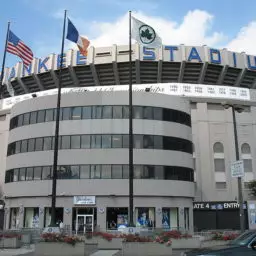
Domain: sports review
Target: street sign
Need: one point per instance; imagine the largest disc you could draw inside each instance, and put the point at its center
(237, 169)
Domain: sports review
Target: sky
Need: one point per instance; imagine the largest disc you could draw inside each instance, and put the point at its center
(220, 24)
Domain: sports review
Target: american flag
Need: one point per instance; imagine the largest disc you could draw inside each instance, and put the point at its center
(17, 47)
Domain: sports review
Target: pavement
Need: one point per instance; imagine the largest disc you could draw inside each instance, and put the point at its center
(29, 251)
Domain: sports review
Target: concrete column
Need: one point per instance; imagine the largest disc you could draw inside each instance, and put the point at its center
(101, 218)
(41, 216)
(67, 217)
(181, 219)
(21, 216)
(6, 218)
(158, 217)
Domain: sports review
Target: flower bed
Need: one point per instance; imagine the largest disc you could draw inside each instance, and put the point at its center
(224, 236)
(53, 237)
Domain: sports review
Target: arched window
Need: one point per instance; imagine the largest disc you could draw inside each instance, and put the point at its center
(246, 157)
(219, 158)
(219, 165)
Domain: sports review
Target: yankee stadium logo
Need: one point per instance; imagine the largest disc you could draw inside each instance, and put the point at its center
(147, 34)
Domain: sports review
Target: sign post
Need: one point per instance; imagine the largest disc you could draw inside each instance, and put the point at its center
(237, 169)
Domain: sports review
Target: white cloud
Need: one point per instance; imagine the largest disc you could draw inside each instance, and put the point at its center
(244, 40)
(193, 30)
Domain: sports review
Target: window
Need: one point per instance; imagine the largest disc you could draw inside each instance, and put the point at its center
(125, 171)
(17, 147)
(37, 173)
(46, 173)
(74, 171)
(219, 158)
(106, 141)
(31, 218)
(15, 174)
(22, 174)
(85, 141)
(33, 117)
(106, 172)
(137, 112)
(29, 173)
(126, 112)
(96, 112)
(107, 112)
(96, 141)
(158, 113)
(66, 112)
(117, 112)
(26, 119)
(159, 172)
(75, 141)
(138, 141)
(20, 120)
(116, 141)
(148, 113)
(24, 146)
(65, 142)
(39, 144)
(95, 171)
(85, 172)
(145, 217)
(138, 171)
(247, 157)
(76, 113)
(148, 141)
(87, 113)
(49, 115)
(158, 142)
(221, 185)
(41, 116)
(116, 171)
(47, 143)
(125, 141)
(31, 145)
(148, 172)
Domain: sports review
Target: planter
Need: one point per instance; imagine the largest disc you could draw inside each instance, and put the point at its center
(186, 243)
(212, 243)
(114, 244)
(59, 249)
(26, 238)
(13, 242)
(146, 249)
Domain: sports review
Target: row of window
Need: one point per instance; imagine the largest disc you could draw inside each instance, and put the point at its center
(100, 172)
(101, 112)
(100, 141)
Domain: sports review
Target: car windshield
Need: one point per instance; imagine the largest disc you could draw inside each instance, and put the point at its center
(244, 238)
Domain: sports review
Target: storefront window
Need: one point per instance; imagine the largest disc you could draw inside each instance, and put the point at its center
(47, 216)
(31, 218)
(117, 217)
(186, 218)
(14, 218)
(145, 217)
(170, 218)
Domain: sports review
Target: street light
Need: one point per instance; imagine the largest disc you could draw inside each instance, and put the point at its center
(239, 109)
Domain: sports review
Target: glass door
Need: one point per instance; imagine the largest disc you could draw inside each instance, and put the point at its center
(89, 223)
(80, 224)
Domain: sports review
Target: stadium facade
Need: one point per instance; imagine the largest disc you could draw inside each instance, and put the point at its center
(183, 138)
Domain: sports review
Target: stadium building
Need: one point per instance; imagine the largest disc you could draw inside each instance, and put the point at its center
(183, 138)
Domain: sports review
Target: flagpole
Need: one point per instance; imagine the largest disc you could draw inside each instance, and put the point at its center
(4, 57)
(131, 224)
(56, 137)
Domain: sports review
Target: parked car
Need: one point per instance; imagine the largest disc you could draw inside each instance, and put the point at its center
(243, 245)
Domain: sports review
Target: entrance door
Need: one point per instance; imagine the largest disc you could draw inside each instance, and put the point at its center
(84, 223)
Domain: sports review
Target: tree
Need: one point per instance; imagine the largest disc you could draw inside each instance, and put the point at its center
(252, 187)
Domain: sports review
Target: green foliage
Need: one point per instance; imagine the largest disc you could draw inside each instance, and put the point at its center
(252, 187)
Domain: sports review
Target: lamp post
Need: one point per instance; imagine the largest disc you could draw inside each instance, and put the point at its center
(239, 109)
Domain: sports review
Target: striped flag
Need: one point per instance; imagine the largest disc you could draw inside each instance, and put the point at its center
(17, 47)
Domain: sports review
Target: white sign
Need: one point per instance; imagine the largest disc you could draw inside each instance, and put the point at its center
(237, 169)
(178, 89)
(84, 200)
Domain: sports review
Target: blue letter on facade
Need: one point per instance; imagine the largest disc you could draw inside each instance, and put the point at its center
(194, 55)
(27, 69)
(80, 59)
(212, 59)
(250, 66)
(59, 59)
(234, 58)
(41, 64)
(12, 74)
(148, 54)
(171, 49)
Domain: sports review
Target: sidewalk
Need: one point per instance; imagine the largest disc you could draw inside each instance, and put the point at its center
(20, 251)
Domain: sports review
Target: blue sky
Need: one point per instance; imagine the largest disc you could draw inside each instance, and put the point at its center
(217, 23)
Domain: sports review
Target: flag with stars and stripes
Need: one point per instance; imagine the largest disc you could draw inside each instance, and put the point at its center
(17, 47)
